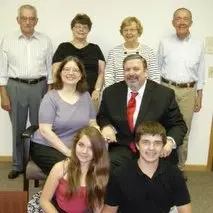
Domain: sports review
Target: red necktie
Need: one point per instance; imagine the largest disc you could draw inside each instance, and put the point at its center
(130, 112)
(131, 109)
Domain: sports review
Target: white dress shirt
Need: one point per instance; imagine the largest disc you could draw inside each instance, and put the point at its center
(138, 99)
(26, 58)
(182, 61)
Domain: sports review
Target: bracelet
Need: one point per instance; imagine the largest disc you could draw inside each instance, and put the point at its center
(97, 89)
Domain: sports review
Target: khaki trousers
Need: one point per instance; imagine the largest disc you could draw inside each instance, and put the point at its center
(185, 98)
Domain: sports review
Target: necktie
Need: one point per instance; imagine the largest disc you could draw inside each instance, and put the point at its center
(130, 112)
(131, 109)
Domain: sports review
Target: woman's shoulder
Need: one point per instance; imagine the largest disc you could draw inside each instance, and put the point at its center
(85, 95)
(145, 47)
(65, 45)
(93, 46)
(117, 50)
(52, 95)
(62, 165)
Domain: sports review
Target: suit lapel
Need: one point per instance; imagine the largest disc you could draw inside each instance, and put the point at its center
(146, 101)
(121, 102)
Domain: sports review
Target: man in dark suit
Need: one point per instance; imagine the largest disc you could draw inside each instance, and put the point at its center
(153, 102)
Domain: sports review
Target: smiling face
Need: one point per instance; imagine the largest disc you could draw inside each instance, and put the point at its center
(70, 74)
(182, 21)
(84, 151)
(130, 33)
(27, 20)
(134, 74)
(150, 147)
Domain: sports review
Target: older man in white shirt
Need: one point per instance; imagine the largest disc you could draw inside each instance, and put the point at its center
(181, 60)
(24, 80)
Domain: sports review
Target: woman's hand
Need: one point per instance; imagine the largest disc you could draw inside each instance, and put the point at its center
(96, 95)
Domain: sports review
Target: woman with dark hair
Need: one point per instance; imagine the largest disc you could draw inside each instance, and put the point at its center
(89, 53)
(78, 183)
(63, 111)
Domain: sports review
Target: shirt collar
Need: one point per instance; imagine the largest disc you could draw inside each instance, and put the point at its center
(34, 35)
(159, 171)
(185, 39)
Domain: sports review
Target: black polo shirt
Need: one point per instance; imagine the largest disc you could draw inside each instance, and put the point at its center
(134, 192)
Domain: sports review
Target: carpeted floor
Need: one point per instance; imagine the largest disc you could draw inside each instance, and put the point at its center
(200, 186)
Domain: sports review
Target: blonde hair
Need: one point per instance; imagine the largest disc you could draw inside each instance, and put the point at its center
(128, 20)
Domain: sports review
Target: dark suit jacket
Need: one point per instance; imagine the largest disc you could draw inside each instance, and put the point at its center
(158, 104)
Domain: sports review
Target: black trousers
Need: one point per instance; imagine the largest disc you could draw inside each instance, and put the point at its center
(45, 157)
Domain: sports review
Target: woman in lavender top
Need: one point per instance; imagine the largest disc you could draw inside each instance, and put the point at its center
(63, 111)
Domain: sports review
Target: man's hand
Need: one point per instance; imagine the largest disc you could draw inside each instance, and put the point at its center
(198, 104)
(5, 101)
(167, 149)
(198, 101)
(109, 134)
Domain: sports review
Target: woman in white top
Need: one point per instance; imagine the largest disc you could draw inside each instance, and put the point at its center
(131, 29)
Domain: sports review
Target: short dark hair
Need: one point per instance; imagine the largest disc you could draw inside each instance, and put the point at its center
(82, 85)
(135, 56)
(83, 19)
(150, 128)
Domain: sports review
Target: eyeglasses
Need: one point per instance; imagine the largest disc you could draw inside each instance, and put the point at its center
(30, 19)
(131, 30)
(81, 27)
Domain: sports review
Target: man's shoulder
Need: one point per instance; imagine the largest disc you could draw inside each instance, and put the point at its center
(168, 168)
(41, 35)
(11, 35)
(168, 39)
(196, 40)
(126, 170)
(158, 87)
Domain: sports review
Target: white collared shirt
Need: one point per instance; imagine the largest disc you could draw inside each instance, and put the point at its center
(26, 58)
(182, 61)
(138, 99)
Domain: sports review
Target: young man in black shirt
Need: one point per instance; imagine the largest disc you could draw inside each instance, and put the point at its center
(149, 184)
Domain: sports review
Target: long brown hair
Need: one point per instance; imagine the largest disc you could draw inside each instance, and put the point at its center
(98, 172)
(82, 85)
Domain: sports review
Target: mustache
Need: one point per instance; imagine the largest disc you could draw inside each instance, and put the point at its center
(131, 77)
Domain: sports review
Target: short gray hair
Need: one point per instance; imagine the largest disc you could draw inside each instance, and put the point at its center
(26, 6)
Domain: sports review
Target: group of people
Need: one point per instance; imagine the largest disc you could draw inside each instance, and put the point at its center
(142, 122)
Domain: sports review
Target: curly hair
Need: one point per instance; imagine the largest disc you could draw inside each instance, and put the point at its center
(82, 85)
(98, 172)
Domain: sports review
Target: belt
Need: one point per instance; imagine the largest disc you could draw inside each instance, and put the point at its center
(29, 81)
(181, 85)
